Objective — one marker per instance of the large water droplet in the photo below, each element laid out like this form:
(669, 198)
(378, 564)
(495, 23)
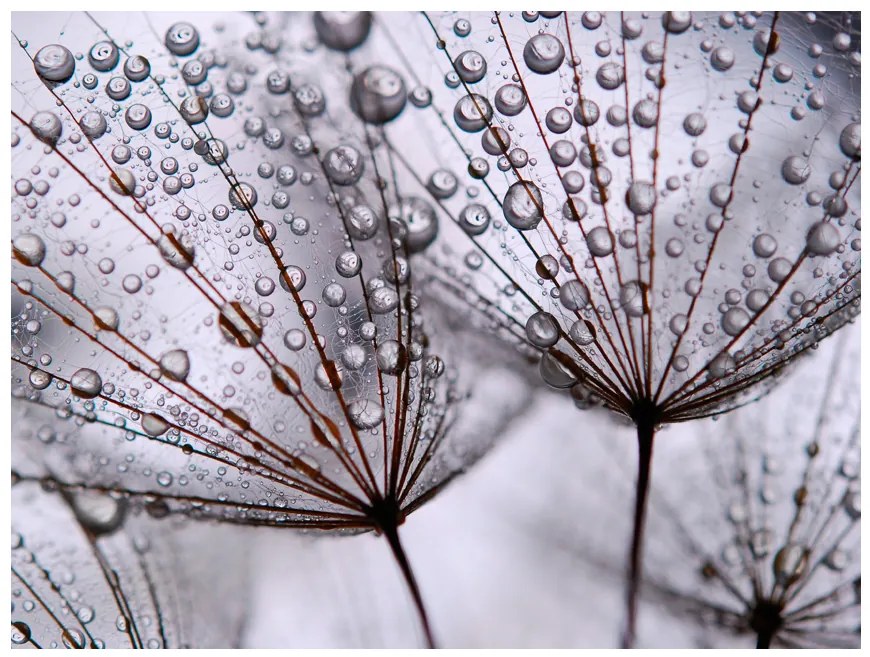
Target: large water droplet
(86, 383)
(175, 365)
(54, 63)
(342, 30)
(28, 249)
(240, 324)
(378, 95)
(823, 238)
(365, 413)
(542, 330)
(543, 53)
(523, 205)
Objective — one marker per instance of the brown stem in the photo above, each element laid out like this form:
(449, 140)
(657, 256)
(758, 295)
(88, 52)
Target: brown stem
(645, 433)
(391, 532)
(764, 638)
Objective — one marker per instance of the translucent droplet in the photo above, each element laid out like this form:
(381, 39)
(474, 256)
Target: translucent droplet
(378, 95)
(850, 140)
(600, 242)
(106, 318)
(640, 198)
(46, 127)
(344, 165)
(442, 184)
(392, 358)
(28, 249)
(554, 373)
(286, 380)
(472, 113)
(54, 63)
(795, 170)
(734, 321)
(632, 299)
(182, 39)
(240, 324)
(510, 99)
(523, 205)
(342, 30)
(154, 425)
(543, 53)
(175, 365)
(574, 295)
(764, 245)
(420, 220)
(177, 250)
(823, 238)
(790, 563)
(86, 383)
(194, 109)
(365, 413)
(93, 124)
(542, 329)
(722, 58)
(123, 182)
(470, 66)
(363, 222)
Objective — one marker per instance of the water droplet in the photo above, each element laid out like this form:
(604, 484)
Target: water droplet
(86, 383)
(154, 425)
(542, 330)
(640, 198)
(378, 95)
(543, 53)
(574, 295)
(240, 324)
(600, 241)
(342, 30)
(523, 205)
(175, 365)
(365, 413)
(795, 170)
(722, 58)
(471, 66)
(510, 99)
(344, 165)
(823, 238)
(46, 127)
(420, 220)
(850, 140)
(182, 39)
(28, 249)
(764, 245)
(392, 357)
(54, 63)
(633, 298)
(790, 563)
(472, 113)
(734, 321)
(474, 219)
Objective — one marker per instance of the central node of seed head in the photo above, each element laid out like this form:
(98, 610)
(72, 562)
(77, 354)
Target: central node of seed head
(766, 617)
(645, 413)
(386, 514)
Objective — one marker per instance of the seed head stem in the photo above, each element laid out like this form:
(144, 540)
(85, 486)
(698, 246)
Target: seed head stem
(764, 638)
(645, 434)
(391, 533)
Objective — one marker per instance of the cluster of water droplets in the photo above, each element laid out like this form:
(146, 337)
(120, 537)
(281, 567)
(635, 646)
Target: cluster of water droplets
(696, 173)
(212, 266)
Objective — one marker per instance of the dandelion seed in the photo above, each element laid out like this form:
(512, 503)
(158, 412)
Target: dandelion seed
(85, 575)
(709, 129)
(754, 532)
(185, 381)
